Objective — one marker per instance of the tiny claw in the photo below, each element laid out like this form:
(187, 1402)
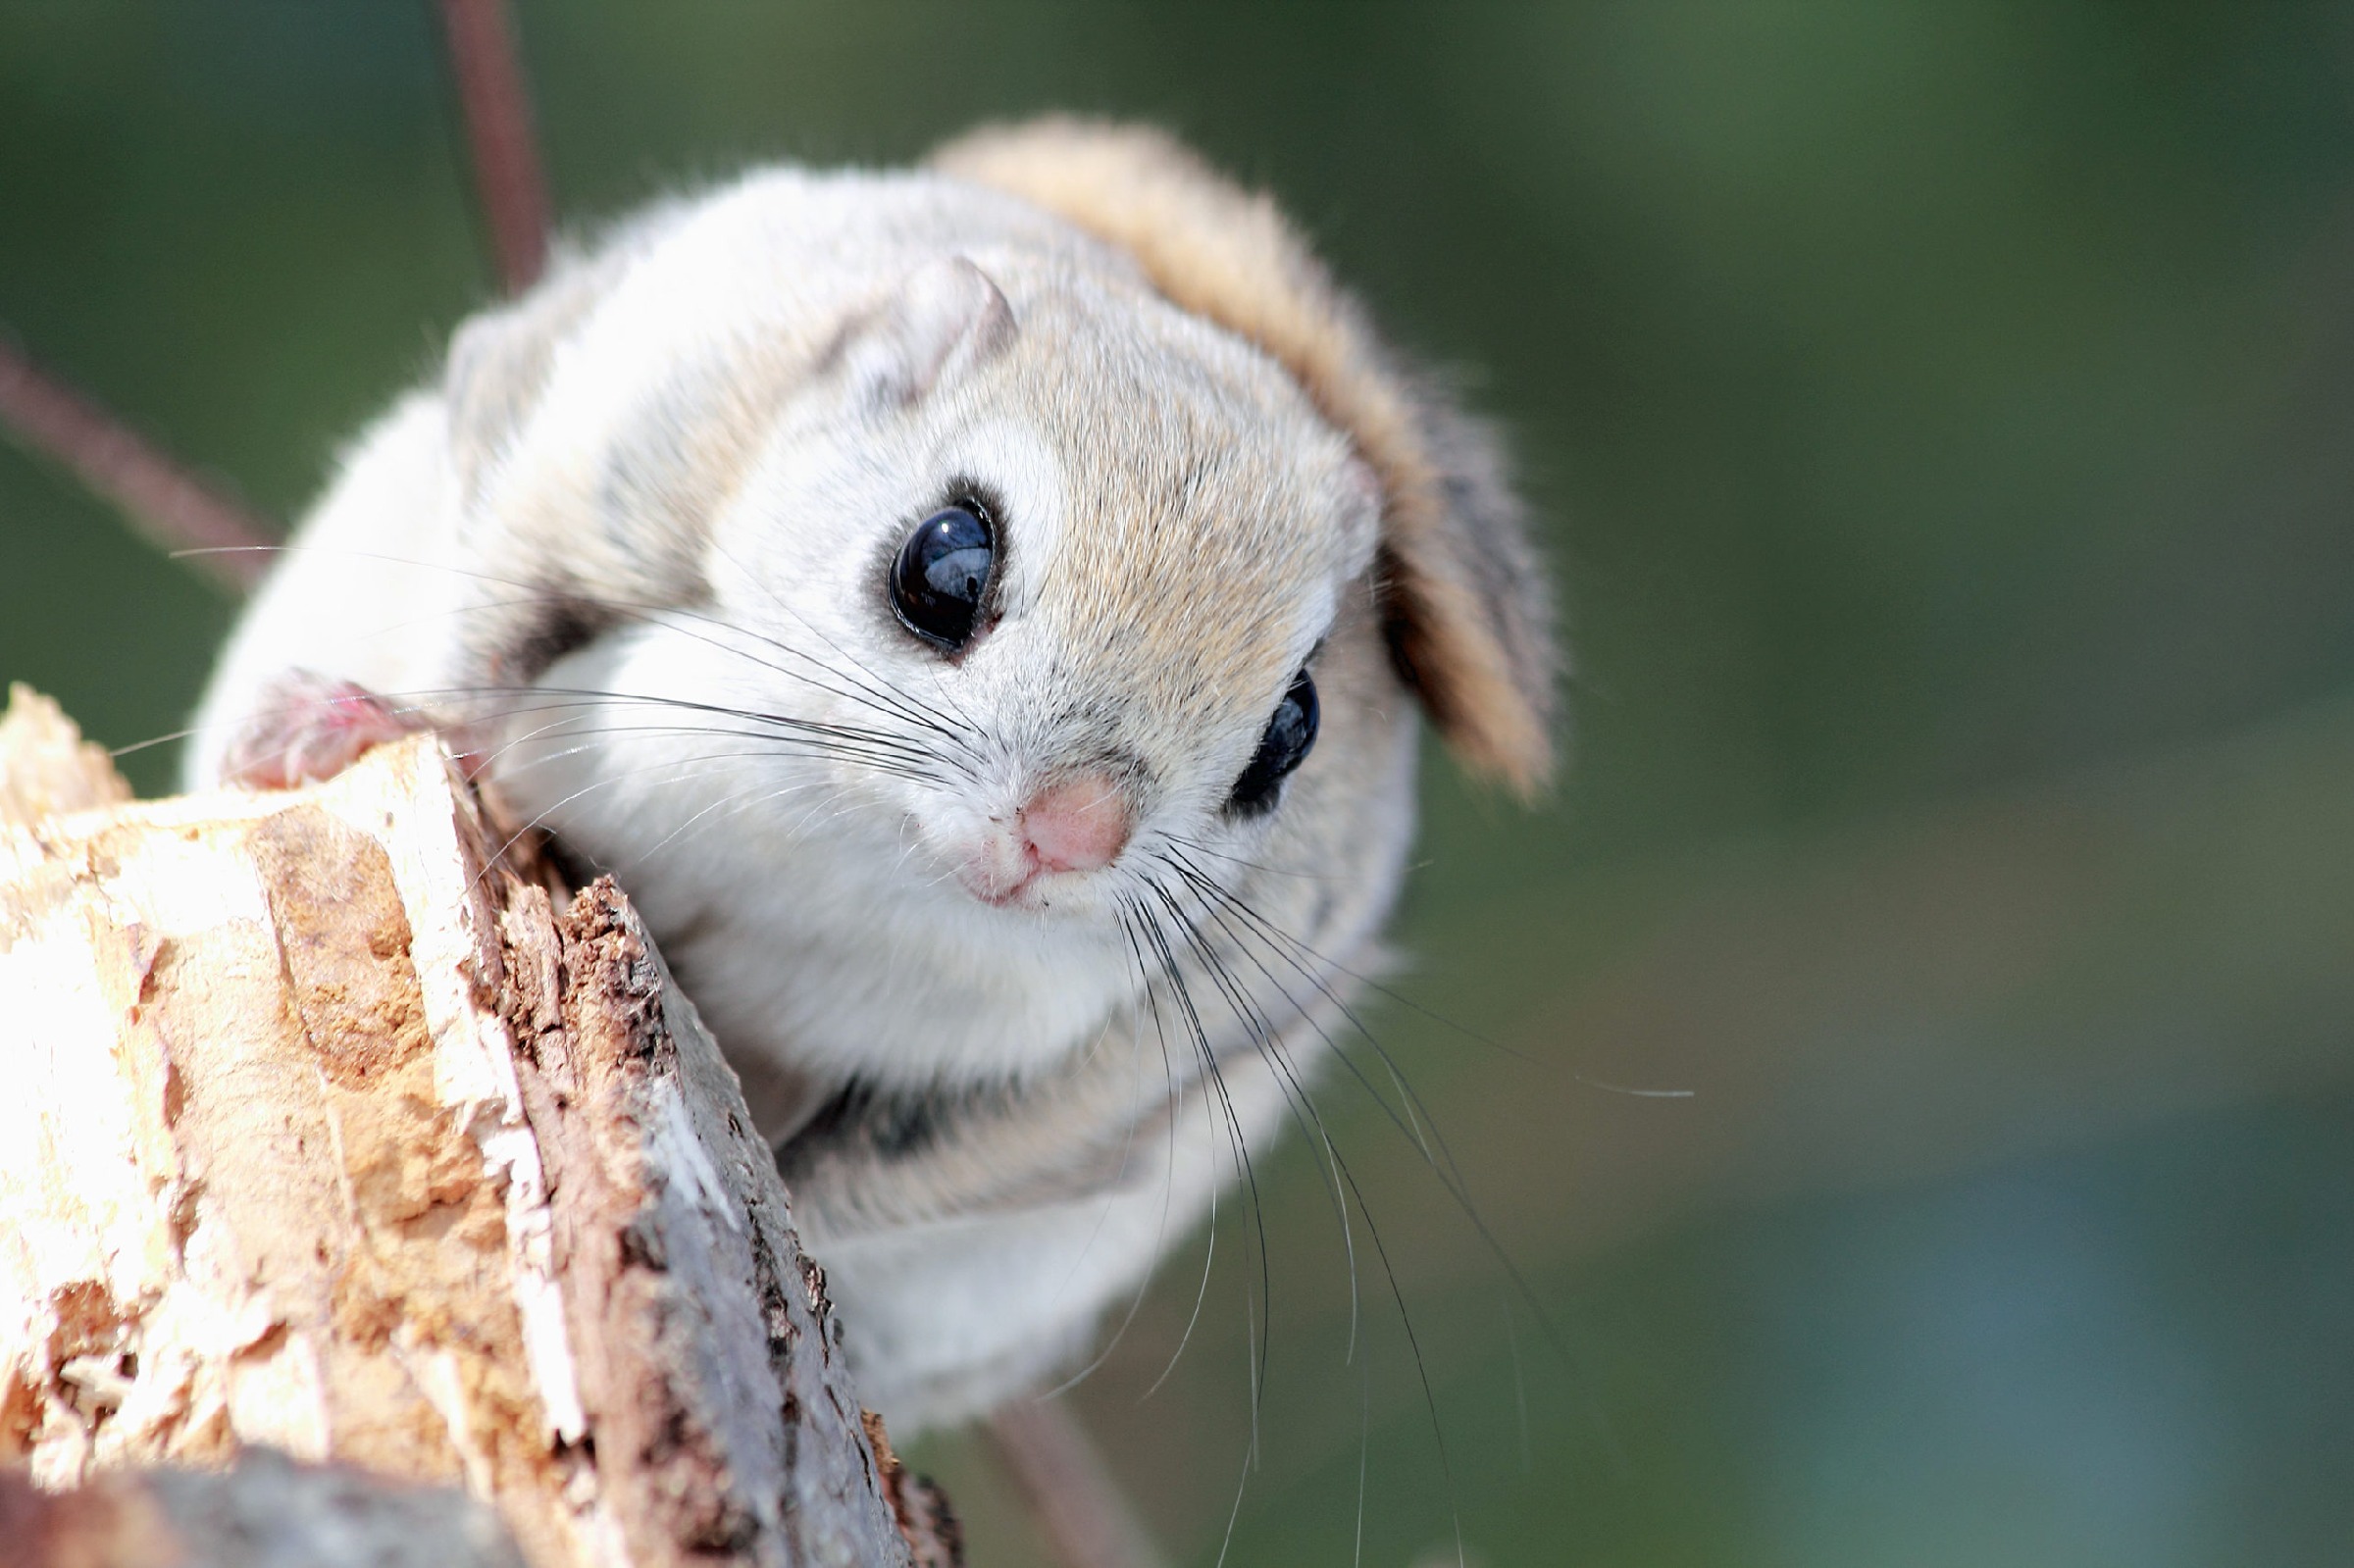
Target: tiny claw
(309, 728)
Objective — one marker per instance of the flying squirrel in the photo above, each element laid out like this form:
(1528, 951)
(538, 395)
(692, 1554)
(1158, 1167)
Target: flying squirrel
(979, 613)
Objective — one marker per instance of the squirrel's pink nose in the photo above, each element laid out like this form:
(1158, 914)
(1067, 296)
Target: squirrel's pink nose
(1080, 824)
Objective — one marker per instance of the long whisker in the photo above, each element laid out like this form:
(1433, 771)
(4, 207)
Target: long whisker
(1199, 848)
(777, 600)
(1174, 1102)
(1242, 1146)
(1440, 1160)
(1430, 1399)
(1264, 1037)
(883, 697)
(540, 817)
(1223, 982)
(1305, 1114)
(1388, 993)
(1220, 1099)
(848, 740)
(1343, 1173)
(1396, 1290)
(586, 697)
(1410, 1123)
(820, 737)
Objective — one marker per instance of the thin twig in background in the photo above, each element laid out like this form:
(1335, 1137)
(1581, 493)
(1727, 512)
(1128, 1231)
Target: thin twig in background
(497, 106)
(163, 501)
(1076, 1504)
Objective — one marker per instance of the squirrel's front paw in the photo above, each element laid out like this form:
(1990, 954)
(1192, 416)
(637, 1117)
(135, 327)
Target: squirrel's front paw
(310, 727)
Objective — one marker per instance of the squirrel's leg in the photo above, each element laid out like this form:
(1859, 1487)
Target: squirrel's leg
(309, 727)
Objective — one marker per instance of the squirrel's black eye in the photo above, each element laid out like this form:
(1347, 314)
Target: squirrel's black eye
(1289, 734)
(941, 575)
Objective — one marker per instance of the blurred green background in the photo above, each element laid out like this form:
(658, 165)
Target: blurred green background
(1940, 414)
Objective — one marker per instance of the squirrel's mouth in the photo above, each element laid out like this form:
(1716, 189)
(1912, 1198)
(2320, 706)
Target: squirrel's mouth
(1027, 883)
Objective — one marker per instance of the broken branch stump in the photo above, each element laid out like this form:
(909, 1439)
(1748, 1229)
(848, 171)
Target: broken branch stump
(326, 1132)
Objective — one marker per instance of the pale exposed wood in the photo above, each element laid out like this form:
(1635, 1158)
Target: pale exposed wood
(46, 767)
(324, 1133)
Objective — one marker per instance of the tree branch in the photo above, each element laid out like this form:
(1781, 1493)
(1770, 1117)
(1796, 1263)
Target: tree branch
(162, 500)
(508, 181)
(329, 1131)
(1074, 1500)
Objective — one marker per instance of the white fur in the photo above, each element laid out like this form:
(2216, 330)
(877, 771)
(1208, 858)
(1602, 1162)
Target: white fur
(774, 402)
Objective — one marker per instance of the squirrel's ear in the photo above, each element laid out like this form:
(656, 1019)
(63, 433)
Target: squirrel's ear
(1467, 603)
(945, 317)
(1469, 615)
(499, 359)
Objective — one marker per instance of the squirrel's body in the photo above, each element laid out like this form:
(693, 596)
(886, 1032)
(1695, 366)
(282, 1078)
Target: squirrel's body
(1012, 921)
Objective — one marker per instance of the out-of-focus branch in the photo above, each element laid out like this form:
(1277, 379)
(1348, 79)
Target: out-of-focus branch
(264, 1508)
(166, 502)
(1074, 1499)
(162, 500)
(497, 106)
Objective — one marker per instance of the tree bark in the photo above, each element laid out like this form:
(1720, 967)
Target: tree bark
(329, 1130)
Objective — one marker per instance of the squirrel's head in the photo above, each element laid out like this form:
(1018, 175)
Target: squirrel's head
(1100, 553)
(1094, 551)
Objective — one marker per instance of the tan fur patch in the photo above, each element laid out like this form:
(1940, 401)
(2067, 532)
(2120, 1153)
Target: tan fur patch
(1230, 256)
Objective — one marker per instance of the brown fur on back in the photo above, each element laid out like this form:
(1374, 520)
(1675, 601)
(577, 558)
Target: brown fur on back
(1469, 616)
